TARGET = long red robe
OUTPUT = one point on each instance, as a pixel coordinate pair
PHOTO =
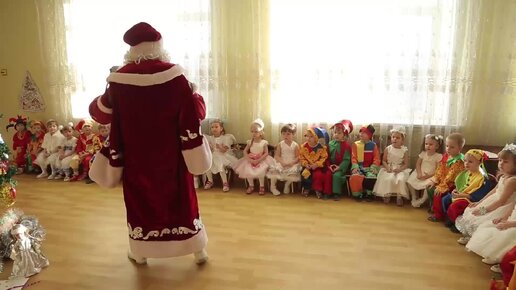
(153, 98)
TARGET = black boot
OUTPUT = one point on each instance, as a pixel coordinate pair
(453, 229)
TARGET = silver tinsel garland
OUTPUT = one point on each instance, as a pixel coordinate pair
(10, 218)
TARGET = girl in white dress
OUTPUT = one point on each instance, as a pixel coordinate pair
(256, 159)
(497, 202)
(286, 165)
(494, 238)
(392, 178)
(432, 151)
(223, 155)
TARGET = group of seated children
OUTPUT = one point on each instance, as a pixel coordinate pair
(457, 186)
(52, 146)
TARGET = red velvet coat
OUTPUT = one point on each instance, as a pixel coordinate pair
(154, 98)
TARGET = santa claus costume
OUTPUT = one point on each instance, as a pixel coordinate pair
(163, 217)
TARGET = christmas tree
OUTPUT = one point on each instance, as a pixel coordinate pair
(7, 171)
(7, 197)
(27, 230)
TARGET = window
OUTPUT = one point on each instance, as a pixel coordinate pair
(94, 39)
(368, 61)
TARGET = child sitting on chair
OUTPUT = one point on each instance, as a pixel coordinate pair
(286, 165)
(471, 185)
(432, 151)
(450, 166)
(21, 140)
(256, 158)
(313, 157)
(392, 178)
(365, 162)
(340, 156)
(223, 156)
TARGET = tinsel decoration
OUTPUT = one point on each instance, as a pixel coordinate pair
(10, 218)
(7, 171)
(7, 221)
(7, 195)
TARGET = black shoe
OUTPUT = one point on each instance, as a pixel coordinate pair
(453, 229)
(89, 181)
(357, 198)
(448, 223)
(336, 197)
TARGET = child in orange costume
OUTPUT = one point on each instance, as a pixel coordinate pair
(313, 157)
(447, 170)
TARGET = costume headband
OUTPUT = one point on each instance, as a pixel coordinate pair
(510, 147)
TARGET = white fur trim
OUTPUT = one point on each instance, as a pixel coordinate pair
(165, 249)
(144, 80)
(198, 159)
(145, 51)
(103, 108)
(147, 48)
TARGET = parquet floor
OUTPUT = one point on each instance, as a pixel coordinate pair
(262, 243)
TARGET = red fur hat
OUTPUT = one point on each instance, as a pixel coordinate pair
(145, 42)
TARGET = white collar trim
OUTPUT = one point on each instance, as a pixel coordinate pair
(144, 80)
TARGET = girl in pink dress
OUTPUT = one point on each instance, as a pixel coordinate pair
(256, 159)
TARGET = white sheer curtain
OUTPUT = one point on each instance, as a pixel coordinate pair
(94, 31)
(372, 61)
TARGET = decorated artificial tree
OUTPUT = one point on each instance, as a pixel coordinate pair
(20, 235)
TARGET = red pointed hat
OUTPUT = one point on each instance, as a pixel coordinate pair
(82, 123)
(368, 129)
(346, 126)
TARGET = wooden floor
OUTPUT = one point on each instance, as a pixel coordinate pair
(286, 242)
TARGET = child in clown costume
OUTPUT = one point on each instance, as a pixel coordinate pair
(98, 143)
(471, 185)
(21, 140)
(449, 167)
(100, 138)
(365, 162)
(313, 157)
(339, 156)
(85, 150)
(38, 130)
